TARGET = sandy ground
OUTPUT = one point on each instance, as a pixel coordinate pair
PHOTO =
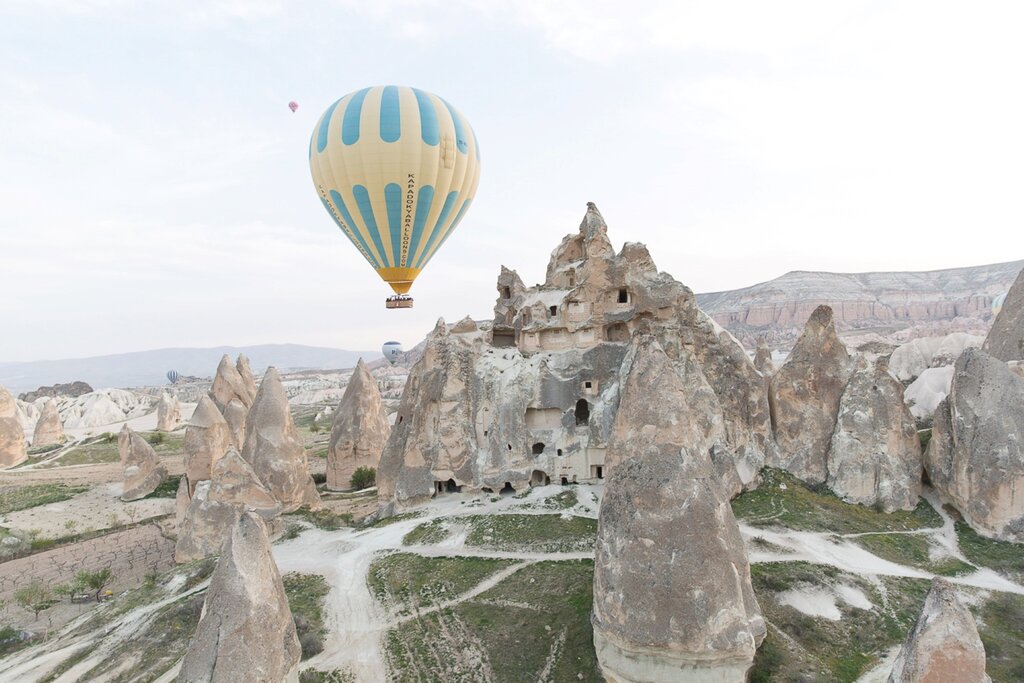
(98, 508)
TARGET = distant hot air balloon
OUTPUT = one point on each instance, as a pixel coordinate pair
(997, 303)
(172, 376)
(392, 350)
(396, 168)
(293, 106)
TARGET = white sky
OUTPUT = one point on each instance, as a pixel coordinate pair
(155, 192)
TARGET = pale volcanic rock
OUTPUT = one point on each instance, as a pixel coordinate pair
(360, 429)
(1005, 339)
(975, 459)
(168, 413)
(104, 407)
(143, 471)
(911, 360)
(233, 393)
(49, 429)
(274, 448)
(944, 645)
(12, 435)
(875, 455)
(804, 396)
(245, 372)
(672, 594)
(207, 439)
(763, 358)
(532, 396)
(235, 414)
(465, 326)
(217, 504)
(246, 631)
(924, 393)
(696, 415)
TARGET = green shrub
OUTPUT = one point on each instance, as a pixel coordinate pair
(363, 478)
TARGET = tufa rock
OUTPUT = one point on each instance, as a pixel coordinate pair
(168, 413)
(71, 389)
(246, 631)
(274, 449)
(672, 593)
(245, 372)
(143, 471)
(207, 438)
(49, 429)
(944, 645)
(1005, 339)
(763, 358)
(804, 397)
(532, 397)
(875, 455)
(359, 431)
(12, 436)
(233, 394)
(975, 459)
(217, 504)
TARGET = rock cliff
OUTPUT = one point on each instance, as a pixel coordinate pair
(359, 431)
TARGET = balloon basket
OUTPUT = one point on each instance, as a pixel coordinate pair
(398, 302)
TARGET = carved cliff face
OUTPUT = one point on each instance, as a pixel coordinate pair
(533, 396)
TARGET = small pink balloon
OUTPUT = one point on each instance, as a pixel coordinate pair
(293, 106)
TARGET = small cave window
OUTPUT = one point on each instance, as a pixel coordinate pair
(487, 489)
(597, 471)
(553, 310)
(539, 478)
(623, 296)
(572, 279)
(538, 448)
(558, 451)
(507, 489)
(506, 293)
(399, 419)
(582, 412)
(447, 487)
(588, 384)
(509, 446)
(565, 481)
(485, 432)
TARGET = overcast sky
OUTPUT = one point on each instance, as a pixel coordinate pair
(155, 190)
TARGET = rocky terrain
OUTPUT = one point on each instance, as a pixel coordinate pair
(898, 306)
(596, 484)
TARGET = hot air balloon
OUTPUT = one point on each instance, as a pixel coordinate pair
(396, 168)
(997, 304)
(293, 106)
(392, 350)
(172, 376)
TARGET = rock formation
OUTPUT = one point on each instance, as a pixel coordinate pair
(207, 439)
(168, 413)
(49, 429)
(71, 389)
(12, 436)
(246, 632)
(925, 392)
(531, 396)
(672, 592)
(245, 372)
(875, 454)
(233, 394)
(975, 459)
(910, 360)
(217, 504)
(1005, 340)
(105, 407)
(143, 471)
(274, 449)
(944, 645)
(359, 431)
(804, 398)
(929, 303)
(763, 358)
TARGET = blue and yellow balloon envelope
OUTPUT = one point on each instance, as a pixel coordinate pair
(396, 168)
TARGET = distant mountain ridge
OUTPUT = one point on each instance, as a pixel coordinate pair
(146, 368)
(882, 302)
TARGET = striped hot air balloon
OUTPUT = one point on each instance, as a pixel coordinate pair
(172, 376)
(396, 168)
(392, 350)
